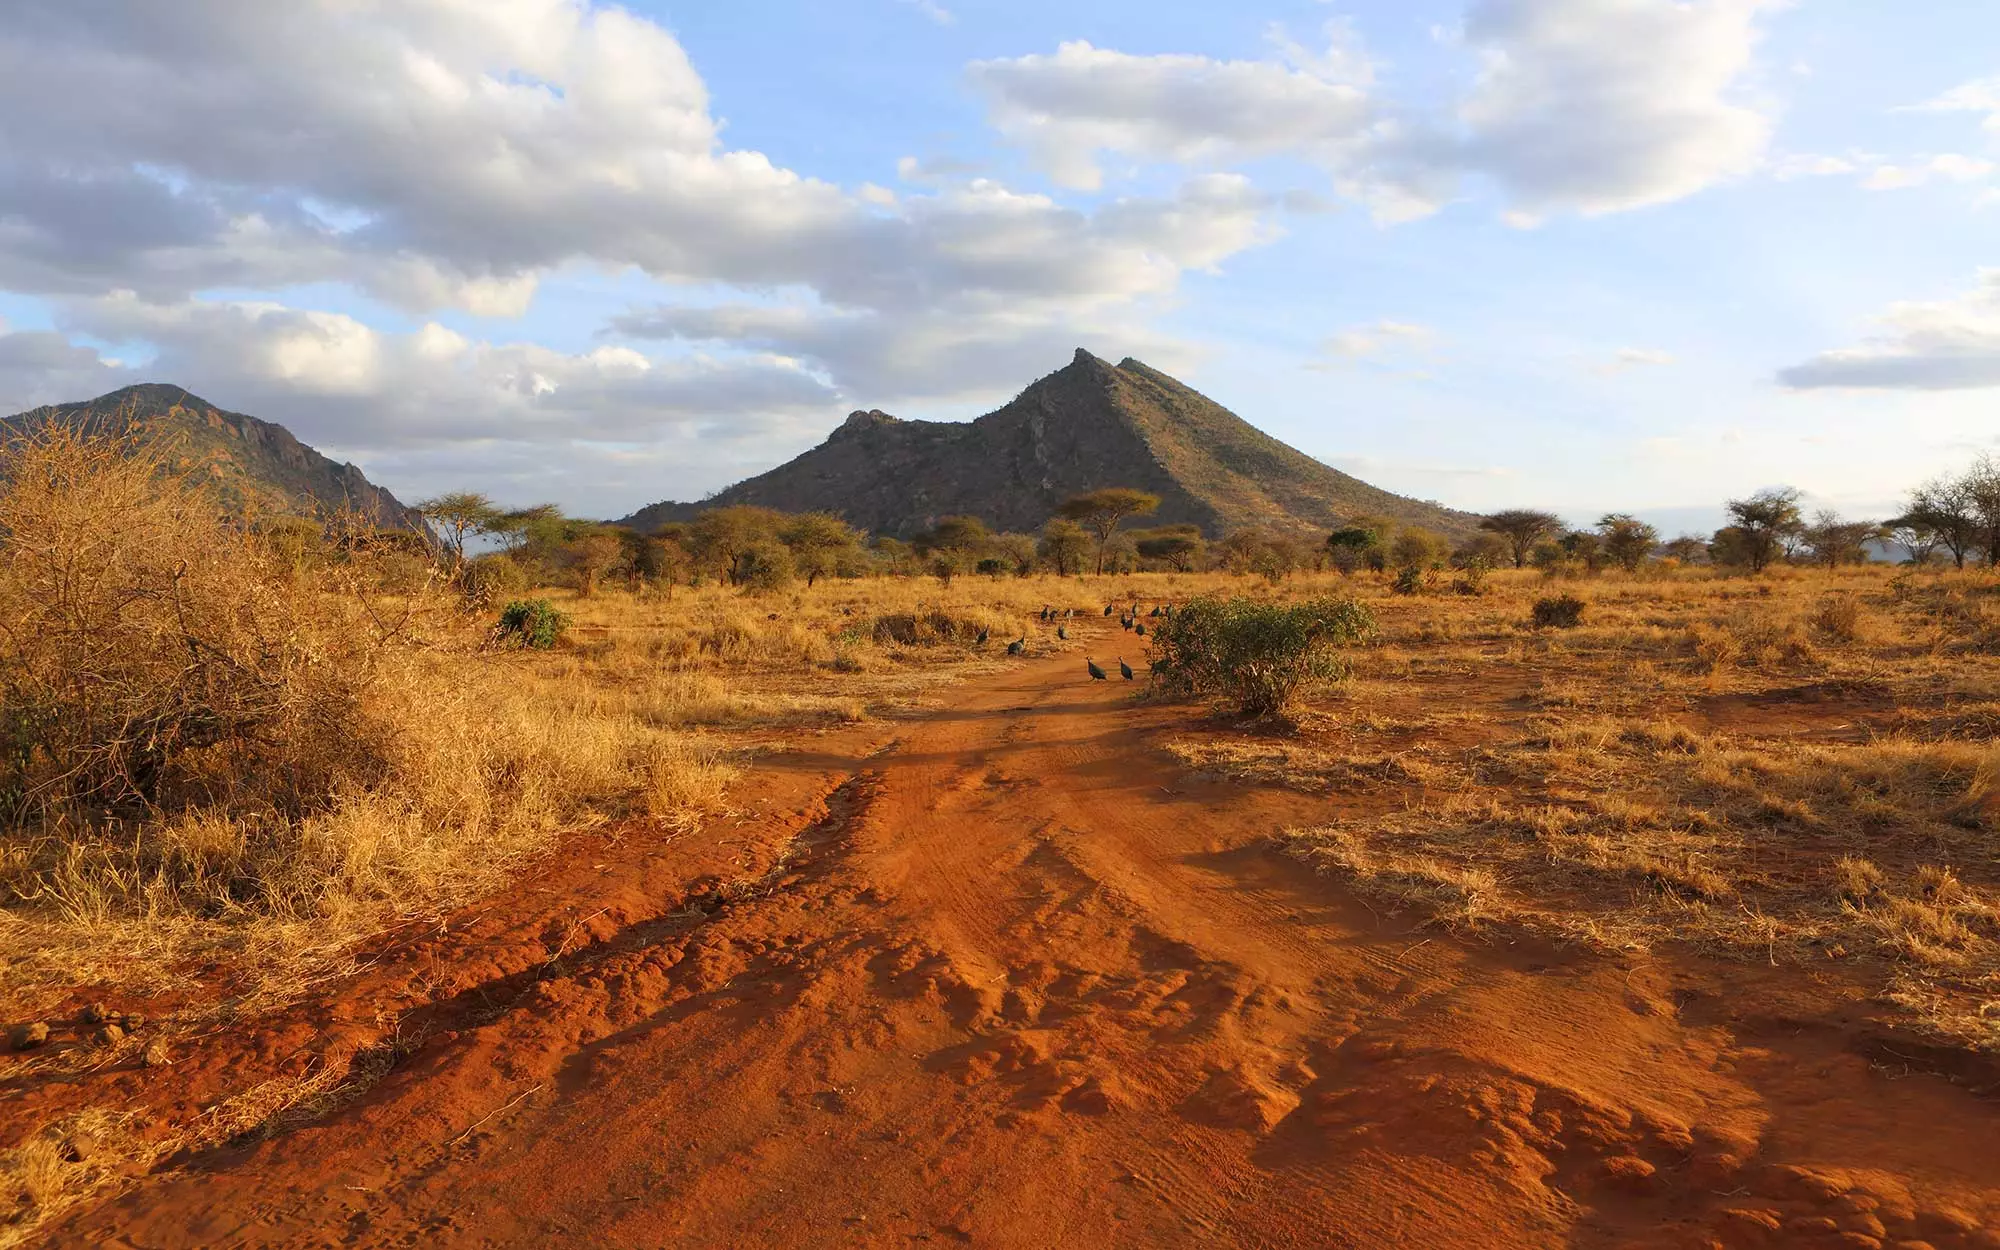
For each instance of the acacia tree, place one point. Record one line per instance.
(1179, 546)
(818, 542)
(729, 540)
(1687, 549)
(1522, 528)
(457, 516)
(1063, 546)
(1102, 511)
(1627, 540)
(1764, 523)
(592, 554)
(1834, 541)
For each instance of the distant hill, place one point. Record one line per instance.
(1085, 427)
(254, 465)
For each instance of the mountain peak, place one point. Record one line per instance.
(1087, 426)
(256, 466)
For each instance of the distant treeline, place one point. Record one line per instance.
(495, 550)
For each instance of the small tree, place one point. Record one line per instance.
(1764, 523)
(1687, 549)
(819, 542)
(1943, 509)
(1583, 547)
(1417, 548)
(1102, 511)
(1980, 488)
(1834, 542)
(1063, 546)
(456, 517)
(1915, 536)
(1017, 552)
(1239, 549)
(1627, 540)
(1179, 546)
(1522, 528)
(727, 540)
(591, 555)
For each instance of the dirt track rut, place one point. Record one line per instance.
(1016, 980)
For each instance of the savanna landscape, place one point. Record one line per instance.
(1379, 888)
(1048, 625)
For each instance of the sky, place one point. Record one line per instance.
(1585, 255)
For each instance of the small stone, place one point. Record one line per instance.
(156, 1054)
(96, 1013)
(107, 1034)
(28, 1036)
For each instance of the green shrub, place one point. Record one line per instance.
(1260, 655)
(1410, 580)
(531, 623)
(1560, 612)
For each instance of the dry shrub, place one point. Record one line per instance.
(925, 629)
(202, 728)
(153, 656)
(1557, 612)
(1838, 618)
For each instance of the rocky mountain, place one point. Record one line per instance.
(1090, 425)
(255, 465)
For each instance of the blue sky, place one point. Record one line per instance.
(1581, 254)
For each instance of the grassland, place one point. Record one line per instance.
(1798, 768)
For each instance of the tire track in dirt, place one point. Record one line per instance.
(1025, 984)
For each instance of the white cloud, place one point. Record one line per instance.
(1980, 96)
(985, 339)
(445, 153)
(347, 382)
(1598, 106)
(1798, 165)
(435, 153)
(1590, 106)
(1626, 358)
(934, 11)
(1938, 345)
(1381, 336)
(1083, 101)
(1951, 167)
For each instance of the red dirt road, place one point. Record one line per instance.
(1014, 979)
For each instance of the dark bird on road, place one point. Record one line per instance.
(1109, 608)
(1096, 673)
(1139, 628)
(1018, 646)
(1125, 668)
(1062, 632)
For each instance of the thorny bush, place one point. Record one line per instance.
(1261, 655)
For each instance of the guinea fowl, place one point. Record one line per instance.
(1096, 673)
(1139, 628)
(1125, 668)
(1062, 632)
(1018, 646)
(981, 640)
(1109, 608)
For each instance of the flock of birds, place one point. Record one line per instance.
(1128, 618)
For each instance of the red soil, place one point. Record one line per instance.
(1014, 979)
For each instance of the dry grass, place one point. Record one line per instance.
(1800, 767)
(347, 750)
